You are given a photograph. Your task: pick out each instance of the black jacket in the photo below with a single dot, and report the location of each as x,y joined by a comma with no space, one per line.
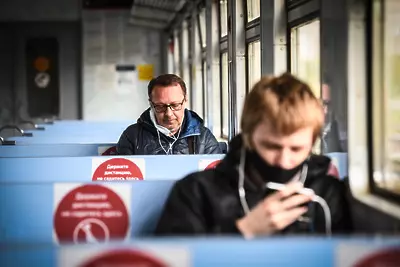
141,138
207,202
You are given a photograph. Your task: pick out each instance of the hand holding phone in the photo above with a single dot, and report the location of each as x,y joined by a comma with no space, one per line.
276,211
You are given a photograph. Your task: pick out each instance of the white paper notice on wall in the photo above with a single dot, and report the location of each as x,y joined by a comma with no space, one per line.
126,79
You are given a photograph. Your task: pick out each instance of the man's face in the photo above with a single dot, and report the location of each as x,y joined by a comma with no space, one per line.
284,151
169,106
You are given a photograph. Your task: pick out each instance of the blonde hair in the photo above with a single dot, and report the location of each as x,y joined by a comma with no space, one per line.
286,102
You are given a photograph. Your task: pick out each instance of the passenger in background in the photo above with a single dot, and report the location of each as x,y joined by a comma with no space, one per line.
280,122
330,132
167,127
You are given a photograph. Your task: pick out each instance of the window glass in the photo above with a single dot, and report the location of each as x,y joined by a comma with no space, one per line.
223,7
225,97
253,9
253,63
176,56
205,93
216,97
386,96
202,18
305,54
198,74
185,47
171,56
305,61
185,60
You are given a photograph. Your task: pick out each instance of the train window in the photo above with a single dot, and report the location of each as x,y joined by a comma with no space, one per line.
223,14
253,9
225,96
386,97
185,59
205,93
305,54
176,55
253,63
197,91
202,18
171,56
216,96
185,50
305,58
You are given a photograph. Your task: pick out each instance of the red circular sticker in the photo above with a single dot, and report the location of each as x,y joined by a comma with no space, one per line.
91,214
213,164
110,151
117,169
388,258
124,258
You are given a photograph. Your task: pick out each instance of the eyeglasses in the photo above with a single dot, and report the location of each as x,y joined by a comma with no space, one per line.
163,107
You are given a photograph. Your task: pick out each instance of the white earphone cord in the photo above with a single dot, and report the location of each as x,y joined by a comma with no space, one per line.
171,144
242,192
317,199
327,213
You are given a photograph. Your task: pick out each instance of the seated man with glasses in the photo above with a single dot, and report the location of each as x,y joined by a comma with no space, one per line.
269,183
167,127
330,132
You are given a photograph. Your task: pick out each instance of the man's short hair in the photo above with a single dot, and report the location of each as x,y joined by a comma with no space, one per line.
286,102
166,80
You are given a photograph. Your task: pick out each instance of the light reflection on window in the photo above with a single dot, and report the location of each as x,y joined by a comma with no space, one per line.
254,63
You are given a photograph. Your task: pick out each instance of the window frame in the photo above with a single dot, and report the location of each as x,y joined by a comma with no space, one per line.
247,21
296,24
201,10
223,48
248,42
220,24
303,20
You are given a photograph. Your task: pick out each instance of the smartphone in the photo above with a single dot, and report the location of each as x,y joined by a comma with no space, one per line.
273,187
278,186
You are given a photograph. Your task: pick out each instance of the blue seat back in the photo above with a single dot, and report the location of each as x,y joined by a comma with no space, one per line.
212,251
28,210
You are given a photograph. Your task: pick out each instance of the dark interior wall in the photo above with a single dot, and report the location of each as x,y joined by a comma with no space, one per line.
368,220
21,20
40,10
7,105
68,36
334,44
371,221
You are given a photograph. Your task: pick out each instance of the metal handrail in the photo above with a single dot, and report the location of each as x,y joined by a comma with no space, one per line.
35,126
7,142
16,128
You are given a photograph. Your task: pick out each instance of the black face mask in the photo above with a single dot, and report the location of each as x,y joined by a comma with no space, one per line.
271,173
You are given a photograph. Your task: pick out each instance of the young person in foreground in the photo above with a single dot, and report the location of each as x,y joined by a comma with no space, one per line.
281,121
